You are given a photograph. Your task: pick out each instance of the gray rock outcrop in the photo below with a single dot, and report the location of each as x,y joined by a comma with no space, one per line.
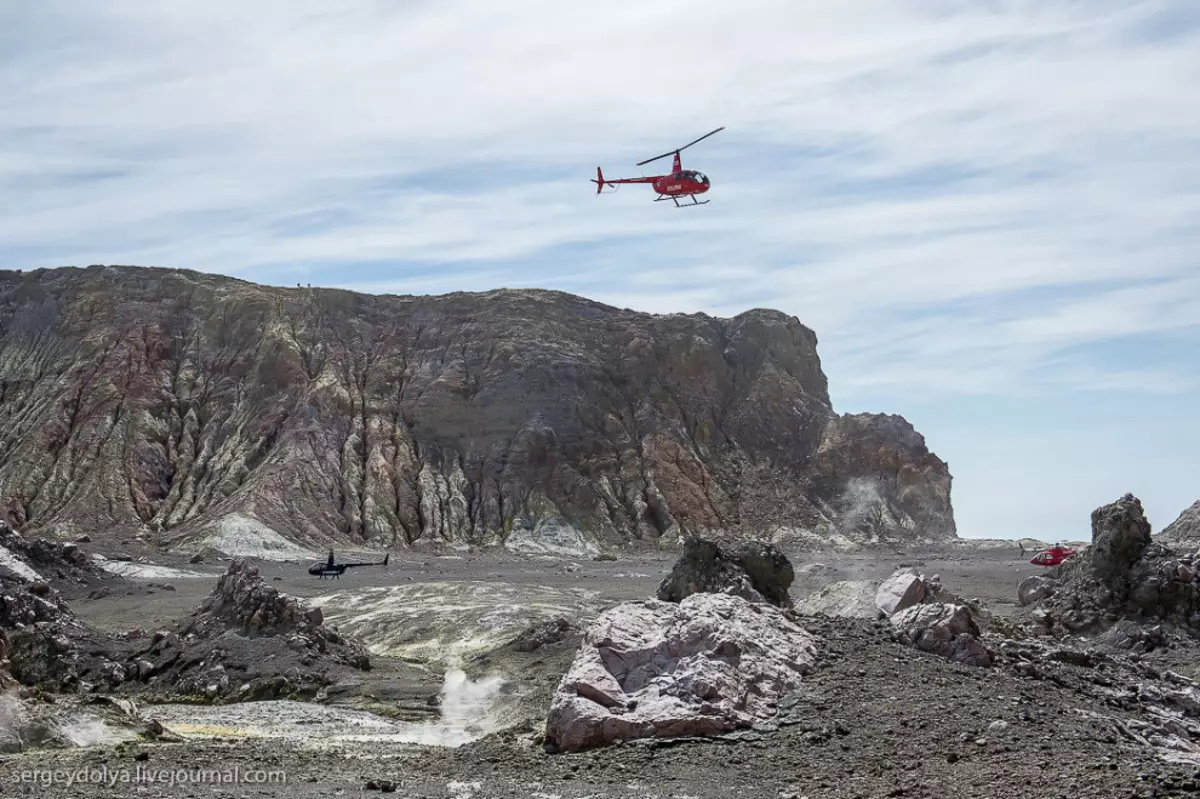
709,664
1120,534
868,599
1125,575
769,570
247,640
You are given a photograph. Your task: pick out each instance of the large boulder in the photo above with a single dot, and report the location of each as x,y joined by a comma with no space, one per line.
943,629
710,664
755,571
903,589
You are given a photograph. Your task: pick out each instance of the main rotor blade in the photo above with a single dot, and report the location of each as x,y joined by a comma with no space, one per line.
655,158
702,138
684,147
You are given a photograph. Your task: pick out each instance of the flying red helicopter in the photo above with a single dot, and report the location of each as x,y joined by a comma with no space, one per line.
1052,556
680,183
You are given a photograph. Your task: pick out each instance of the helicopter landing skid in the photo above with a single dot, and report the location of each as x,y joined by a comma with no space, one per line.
694,201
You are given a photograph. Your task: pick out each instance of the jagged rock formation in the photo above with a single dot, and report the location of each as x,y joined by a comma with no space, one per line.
198,408
249,640
709,664
1125,574
755,571
1185,529
885,485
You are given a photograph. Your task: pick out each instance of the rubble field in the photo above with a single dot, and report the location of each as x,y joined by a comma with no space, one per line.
960,672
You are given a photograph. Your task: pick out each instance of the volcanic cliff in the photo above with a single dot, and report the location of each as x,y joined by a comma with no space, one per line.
188,407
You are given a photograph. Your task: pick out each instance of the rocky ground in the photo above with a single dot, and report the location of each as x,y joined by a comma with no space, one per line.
466,653
878,719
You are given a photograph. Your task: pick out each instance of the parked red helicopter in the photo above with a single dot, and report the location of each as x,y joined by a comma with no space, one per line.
1052,556
680,183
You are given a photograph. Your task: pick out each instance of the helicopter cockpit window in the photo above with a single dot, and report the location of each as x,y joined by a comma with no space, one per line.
701,177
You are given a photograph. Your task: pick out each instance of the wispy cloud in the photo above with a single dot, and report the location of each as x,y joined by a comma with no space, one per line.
962,199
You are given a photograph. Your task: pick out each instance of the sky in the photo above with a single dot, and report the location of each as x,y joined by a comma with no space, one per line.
989,212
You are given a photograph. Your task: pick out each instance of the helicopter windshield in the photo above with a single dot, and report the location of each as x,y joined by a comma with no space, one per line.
700,177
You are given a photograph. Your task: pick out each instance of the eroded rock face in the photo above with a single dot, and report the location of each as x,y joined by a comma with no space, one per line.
182,400
886,486
1185,529
709,664
754,571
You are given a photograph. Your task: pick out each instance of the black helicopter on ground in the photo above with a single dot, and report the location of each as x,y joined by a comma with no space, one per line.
331,569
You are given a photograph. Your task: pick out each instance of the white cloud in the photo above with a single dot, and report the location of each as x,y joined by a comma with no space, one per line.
961,199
